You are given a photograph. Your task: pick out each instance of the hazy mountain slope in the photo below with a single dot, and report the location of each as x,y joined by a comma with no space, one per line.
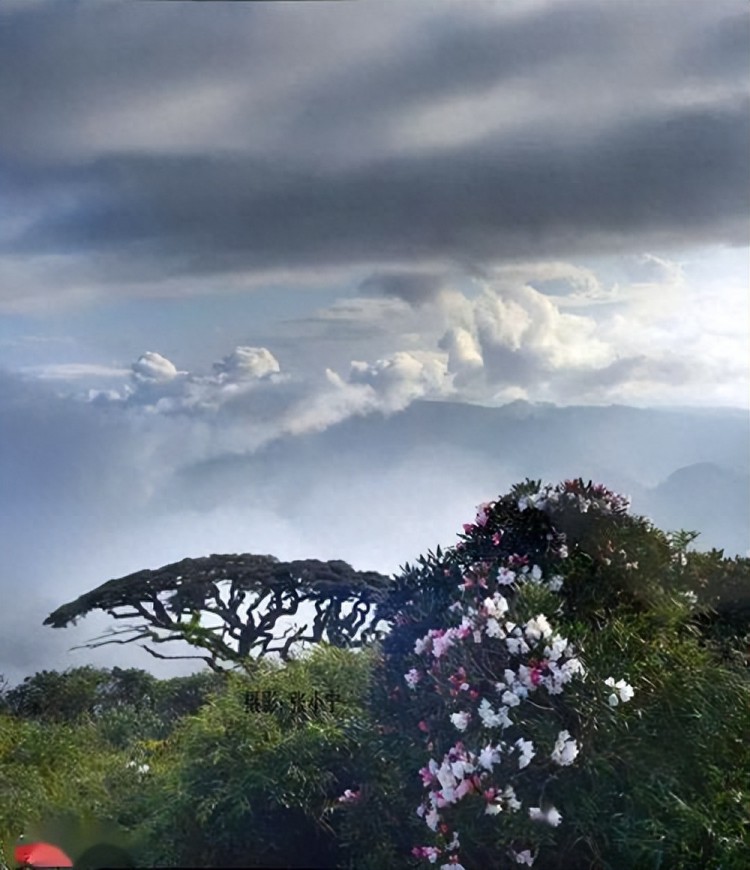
707,498
683,468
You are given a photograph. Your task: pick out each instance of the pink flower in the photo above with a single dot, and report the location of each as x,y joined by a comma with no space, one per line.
483,513
429,852
423,726
427,776
537,671
458,678
497,538
468,528
350,796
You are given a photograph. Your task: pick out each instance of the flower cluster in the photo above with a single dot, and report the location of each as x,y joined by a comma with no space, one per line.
492,747
574,494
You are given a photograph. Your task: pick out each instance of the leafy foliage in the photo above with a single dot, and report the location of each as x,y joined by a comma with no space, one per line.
245,769
245,787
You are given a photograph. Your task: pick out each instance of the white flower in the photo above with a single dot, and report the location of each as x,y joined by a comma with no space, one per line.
460,720
538,628
491,719
446,778
448,795
557,649
624,690
488,757
432,818
524,857
421,644
454,843
461,768
505,576
566,749
526,752
511,699
571,667
492,809
551,817
496,606
517,646
412,677
493,628
555,584
510,799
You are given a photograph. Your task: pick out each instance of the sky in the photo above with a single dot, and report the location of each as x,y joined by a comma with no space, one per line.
229,226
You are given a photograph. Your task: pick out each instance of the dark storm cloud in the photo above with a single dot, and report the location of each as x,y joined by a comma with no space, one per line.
62,65
720,50
412,287
307,162
462,58
681,178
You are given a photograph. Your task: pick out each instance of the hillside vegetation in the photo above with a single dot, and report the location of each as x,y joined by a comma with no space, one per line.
566,687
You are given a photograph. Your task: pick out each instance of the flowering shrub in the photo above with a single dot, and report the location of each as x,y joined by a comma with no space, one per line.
488,668
519,673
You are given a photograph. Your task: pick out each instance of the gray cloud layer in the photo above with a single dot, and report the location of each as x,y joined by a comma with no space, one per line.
171,141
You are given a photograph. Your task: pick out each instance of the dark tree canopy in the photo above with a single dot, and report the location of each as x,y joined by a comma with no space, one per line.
247,593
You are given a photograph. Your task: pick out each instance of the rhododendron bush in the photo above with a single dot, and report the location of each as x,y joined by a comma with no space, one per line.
547,700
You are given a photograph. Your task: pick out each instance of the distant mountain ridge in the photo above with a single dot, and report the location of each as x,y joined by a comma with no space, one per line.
684,468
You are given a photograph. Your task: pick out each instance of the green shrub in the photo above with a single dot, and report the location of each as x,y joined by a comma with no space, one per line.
250,780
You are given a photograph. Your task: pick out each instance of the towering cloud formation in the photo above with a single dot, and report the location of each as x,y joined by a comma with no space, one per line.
246,363
153,368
